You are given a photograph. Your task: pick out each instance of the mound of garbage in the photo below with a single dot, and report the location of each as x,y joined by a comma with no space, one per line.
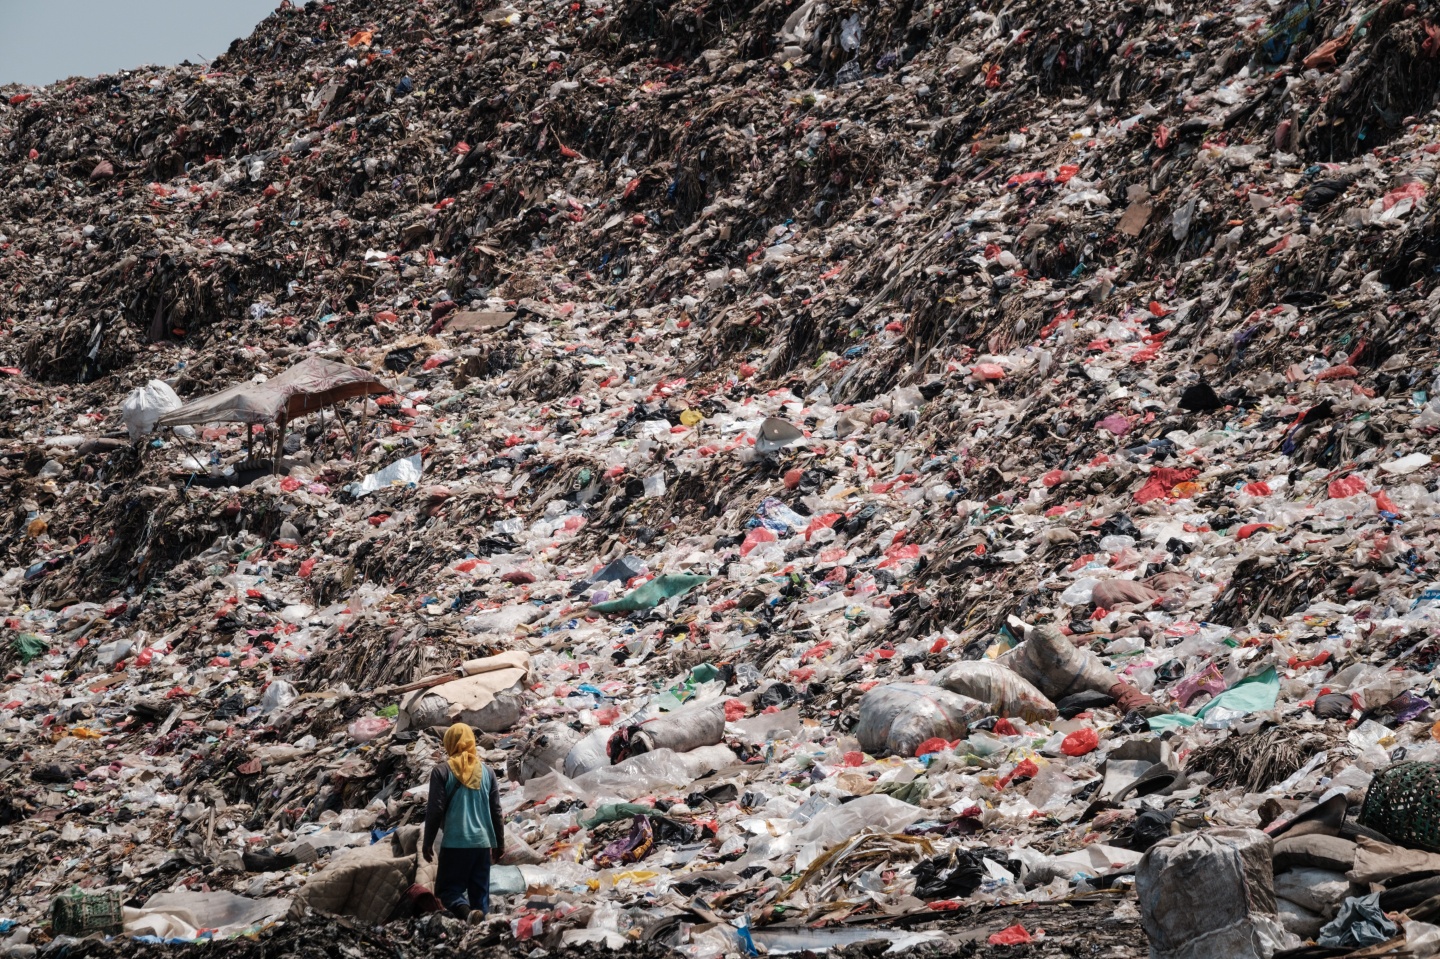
871,474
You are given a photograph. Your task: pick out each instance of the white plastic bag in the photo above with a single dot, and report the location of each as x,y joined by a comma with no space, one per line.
277,695
405,472
145,405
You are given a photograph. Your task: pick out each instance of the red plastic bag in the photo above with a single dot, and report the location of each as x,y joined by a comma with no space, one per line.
1295,662
823,521
1024,770
1349,486
1080,742
1162,480
1012,936
754,538
1411,191
932,745
987,371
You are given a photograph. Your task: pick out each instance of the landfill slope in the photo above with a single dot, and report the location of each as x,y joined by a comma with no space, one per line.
845,333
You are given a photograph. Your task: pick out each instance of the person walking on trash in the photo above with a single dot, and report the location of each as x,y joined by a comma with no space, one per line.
465,800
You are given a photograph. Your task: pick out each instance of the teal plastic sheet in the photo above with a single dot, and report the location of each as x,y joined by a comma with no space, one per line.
616,811
653,593
1251,695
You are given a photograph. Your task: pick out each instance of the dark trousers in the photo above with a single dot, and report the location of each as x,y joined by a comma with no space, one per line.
462,878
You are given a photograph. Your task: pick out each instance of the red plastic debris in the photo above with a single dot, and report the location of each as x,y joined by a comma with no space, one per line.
754,538
1010,936
1349,486
1080,742
1024,770
1342,372
1162,480
987,371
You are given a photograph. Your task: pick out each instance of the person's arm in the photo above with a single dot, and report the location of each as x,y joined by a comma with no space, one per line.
434,811
497,818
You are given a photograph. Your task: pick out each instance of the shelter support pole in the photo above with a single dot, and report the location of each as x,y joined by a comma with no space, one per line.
360,434
279,444
344,429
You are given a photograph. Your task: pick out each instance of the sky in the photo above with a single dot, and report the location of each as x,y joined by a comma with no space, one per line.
42,41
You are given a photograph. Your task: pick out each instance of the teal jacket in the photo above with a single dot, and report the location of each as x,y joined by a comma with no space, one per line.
471,817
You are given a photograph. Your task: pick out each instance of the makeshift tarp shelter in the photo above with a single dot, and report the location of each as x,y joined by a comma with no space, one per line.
309,385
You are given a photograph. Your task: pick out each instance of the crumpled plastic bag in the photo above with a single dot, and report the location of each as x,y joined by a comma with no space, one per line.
1361,922
405,471
1319,890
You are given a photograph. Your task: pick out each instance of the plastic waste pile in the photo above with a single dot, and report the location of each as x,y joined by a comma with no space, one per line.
866,472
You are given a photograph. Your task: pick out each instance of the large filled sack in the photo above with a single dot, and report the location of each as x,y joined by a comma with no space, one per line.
366,883
1005,691
647,730
589,754
542,752
1209,894
145,405
689,727
1052,664
1110,593
489,696
897,719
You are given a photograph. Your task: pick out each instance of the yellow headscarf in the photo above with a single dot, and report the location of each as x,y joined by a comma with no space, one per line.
464,761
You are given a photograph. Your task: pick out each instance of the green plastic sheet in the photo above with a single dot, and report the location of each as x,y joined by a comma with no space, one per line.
30,646
653,593
616,811
1253,694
